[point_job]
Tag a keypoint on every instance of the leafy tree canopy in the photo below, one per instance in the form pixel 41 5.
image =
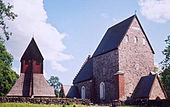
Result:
pixel 166 62
pixel 7 76
pixel 54 81
pixel 5 13
pixel 165 75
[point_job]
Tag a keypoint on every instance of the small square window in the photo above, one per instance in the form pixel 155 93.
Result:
pixel 38 62
pixel 143 41
pixel 135 40
pixel 127 38
pixel 26 62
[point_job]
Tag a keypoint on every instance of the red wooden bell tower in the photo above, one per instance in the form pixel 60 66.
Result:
pixel 32 59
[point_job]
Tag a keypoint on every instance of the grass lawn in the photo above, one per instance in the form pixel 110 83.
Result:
pixel 135 106
pixel 36 105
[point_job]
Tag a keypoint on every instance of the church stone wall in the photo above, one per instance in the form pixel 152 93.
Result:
pixel 104 67
pixel 156 91
pixel 87 85
pixel 135 59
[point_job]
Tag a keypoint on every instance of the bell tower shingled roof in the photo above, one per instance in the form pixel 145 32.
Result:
pixel 32 52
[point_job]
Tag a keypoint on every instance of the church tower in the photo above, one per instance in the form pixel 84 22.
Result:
pixel 32 59
pixel 31 82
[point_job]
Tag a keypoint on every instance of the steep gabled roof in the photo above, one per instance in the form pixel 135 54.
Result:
pixel 86 72
pixel 114 36
pixel 70 91
pixel 28 85
pixel 144 87
pixel 32 51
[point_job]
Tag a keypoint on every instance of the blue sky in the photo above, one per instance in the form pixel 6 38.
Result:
pixel 78 26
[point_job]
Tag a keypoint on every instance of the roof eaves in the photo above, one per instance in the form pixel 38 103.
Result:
pixel 82 81
pixel 161 86
pixel 87 59
pixel 104 52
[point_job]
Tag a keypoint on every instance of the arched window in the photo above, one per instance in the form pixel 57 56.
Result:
pixel 83 92
pixel 127 38
pixel 102 90
pixel 143 39
pixel 135 39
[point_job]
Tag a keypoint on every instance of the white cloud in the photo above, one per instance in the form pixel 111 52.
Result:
pixel 31 21
pixel 104 15
pixel 156 10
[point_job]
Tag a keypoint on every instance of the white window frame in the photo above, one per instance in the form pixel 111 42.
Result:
pixel 143 41
pixel 135 39
pixel 83 92
pixel 102 90
pixel 127 38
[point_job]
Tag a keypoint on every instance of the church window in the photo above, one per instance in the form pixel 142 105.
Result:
pixel 127 38
pixel 135 39
pixel 26 62
pixel 38 62
pixel 102 90
pixel 137 66
pixel 143 39
pixel 83 92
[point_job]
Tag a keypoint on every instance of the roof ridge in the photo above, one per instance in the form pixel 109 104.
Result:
pixel 113 36
pixel 122 21
pixel 32 44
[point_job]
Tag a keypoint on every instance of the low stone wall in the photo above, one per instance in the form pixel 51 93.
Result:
pixel 142 102
pixel 67 101
pixel 157 103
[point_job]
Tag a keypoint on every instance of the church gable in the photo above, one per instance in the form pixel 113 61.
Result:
pixel 31 81
pixel 113 37
pixel 136 35
pixel 32 52
pixel 149 87
pixel 157 90
pixel 32 59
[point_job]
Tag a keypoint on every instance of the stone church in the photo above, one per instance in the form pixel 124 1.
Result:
pixel 119 69
pixel 31 82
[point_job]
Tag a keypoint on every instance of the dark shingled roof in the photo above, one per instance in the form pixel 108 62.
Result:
pixel 113 36
pixel 69 91
pixel 29 84
pixel 144 86
pixel 32 51
pixel 85 73
pixel 73 92
pixel 110 41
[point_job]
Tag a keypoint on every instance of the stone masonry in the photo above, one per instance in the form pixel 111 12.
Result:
pixel 104 67
pixel 156 89
pixel 123 57
pixel 135 59
pixel 87 85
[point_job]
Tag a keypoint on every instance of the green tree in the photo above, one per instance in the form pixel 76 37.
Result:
pixel 7 76
pixel 165 75
pixel 5 13
pixel 54 81
pixel 155 69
